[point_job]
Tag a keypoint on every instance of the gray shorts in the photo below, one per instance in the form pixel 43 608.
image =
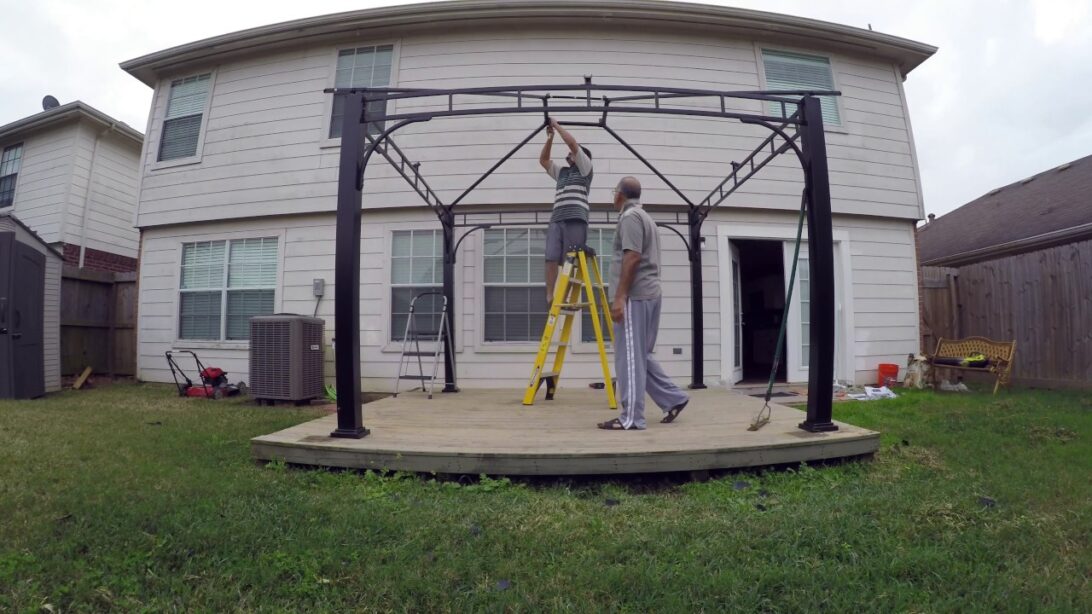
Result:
pixel 564 235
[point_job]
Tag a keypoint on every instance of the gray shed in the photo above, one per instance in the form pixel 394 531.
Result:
pixel 30 312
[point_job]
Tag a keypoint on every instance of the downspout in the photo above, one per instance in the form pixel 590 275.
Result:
pixel 87 190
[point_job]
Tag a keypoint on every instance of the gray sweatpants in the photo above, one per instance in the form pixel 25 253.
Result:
pixel 636 371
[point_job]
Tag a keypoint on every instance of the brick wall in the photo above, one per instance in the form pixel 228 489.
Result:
pixel 97 260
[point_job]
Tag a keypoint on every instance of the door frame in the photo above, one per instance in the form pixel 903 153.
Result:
pixel 844 368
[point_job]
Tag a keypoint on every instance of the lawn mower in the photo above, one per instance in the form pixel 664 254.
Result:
pixel 214 383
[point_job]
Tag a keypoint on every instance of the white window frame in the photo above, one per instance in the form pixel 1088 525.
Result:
pixel 761 64
pixel 386 346
pixel 390 340
pixel 845 367
pixel 328 100
pixel 241 344
pixel 22 154
pixel 161 116
pixel 504 346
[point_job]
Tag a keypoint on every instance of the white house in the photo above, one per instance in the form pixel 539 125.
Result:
pixel 239 181
pixel 70 174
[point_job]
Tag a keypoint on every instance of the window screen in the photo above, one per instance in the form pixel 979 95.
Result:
pixel 795 71
pixel 361 67
pixel 223 284
pixel 10 161
pixel 515 286
pixel 416 267
pixel 182 123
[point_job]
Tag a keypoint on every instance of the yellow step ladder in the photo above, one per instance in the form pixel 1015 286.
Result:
pixel 580 270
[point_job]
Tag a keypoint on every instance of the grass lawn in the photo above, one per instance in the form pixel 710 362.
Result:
pixel 130 498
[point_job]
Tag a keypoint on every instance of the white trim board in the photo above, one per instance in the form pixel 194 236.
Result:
pixel 785 232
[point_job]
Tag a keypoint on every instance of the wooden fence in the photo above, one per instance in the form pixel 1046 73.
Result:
pixel 98 322
pixel 1042 299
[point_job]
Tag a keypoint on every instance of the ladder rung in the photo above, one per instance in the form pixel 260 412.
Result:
pixel 423 335
pixel 422 378
pixel 575 305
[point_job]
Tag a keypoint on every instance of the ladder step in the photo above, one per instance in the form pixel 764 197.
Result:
pixel 422 335
pixel 418 353
pixel 421 378
pixel 547 375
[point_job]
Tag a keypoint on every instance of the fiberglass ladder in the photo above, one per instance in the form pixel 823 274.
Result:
pixel 581 268
pixel 415 336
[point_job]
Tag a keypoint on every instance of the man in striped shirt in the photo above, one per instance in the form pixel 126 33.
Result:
pixel 569 220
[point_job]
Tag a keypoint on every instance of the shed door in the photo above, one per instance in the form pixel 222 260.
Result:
pixel 7 247
pixel 25 290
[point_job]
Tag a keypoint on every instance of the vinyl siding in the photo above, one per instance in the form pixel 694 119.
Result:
pixel 883 293
pixel 54 182
pixel 51 315
pixel 264 150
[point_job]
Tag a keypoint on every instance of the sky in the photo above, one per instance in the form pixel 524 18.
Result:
pixel 1006 96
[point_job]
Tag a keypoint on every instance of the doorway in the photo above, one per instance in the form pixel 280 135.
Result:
pixel 759 270
pixel 22 300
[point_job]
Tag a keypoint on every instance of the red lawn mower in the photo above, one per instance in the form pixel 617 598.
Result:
pixel 214 383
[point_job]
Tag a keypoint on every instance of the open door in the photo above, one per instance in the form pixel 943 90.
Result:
pixel 737 317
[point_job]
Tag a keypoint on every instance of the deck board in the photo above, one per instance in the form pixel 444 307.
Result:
pixel 489 431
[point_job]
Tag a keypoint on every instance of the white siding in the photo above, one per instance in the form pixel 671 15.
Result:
pixel 55 180
pixel 51 316
pixel 44 182
pixel 263 150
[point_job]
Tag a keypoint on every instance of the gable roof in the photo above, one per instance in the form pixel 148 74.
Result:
pixel 64 113
pixel 906 53
pixel 1052 207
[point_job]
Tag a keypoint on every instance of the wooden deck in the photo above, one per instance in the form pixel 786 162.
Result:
pixel 489 431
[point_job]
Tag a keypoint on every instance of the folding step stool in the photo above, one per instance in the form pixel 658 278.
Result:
pixel 415 336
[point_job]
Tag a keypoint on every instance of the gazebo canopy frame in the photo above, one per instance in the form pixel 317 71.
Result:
pixel 365 132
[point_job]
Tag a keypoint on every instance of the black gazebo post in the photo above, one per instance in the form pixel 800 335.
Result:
pixel 694 220
pixel 447 221
pixel 350 419
pixel 821 271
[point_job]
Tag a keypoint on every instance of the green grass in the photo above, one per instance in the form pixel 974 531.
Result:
pixel 128 498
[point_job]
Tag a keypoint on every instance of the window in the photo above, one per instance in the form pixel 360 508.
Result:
pixel 796 71
pixel 602 241
pixel 361 67
pixel 803 276
pixel 182 123
pixel 515 286
pixel 9 170
pixel 417 266
pixel 223 285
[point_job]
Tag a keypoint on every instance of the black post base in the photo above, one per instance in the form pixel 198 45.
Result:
pixel 359 433
pixel 450 388
pixel 697 386
pixel 818 427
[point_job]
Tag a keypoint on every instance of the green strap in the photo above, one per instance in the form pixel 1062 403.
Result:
pixel 788 301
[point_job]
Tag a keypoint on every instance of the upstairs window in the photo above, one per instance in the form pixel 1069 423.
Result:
pixel 361 67
pixel 797 71
pixel 223 285
pixel 9 171
pixel 182 123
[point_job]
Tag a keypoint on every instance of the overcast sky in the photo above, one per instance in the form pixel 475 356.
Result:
pixel 1006 96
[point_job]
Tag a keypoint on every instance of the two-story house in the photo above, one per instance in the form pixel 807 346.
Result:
pixel 70 174
pixel 239 181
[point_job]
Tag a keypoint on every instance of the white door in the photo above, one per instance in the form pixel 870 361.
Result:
pixel 798 335
pixel 737 318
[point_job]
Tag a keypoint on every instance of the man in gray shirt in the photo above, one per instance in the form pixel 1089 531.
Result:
pixel 569 220
pixel 635 279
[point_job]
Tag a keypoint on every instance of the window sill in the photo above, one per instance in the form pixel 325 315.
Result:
pixel 191 344
pixel 500 347
pixel 330 143
pixel 157 166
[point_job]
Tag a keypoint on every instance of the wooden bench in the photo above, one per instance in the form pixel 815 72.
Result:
pixel 999 353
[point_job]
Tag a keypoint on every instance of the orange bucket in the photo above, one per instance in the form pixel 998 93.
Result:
pixel 887 374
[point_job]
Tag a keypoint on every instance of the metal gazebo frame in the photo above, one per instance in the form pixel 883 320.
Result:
pixel 366 132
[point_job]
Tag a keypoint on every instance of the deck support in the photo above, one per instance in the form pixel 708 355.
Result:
pixel 821 270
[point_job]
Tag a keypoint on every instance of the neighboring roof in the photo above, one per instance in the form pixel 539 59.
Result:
pixel 906 53
pixel 64 113
pixel 9 214
pixel 1052 207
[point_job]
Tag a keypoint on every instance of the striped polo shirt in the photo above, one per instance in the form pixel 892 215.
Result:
pixel 573 187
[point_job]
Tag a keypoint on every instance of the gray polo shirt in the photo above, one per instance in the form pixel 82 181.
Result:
pixel 637 232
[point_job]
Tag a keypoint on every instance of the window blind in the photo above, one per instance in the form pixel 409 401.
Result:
pixel 10 162
pixel 361 67
pixel 223 284
pixel 795 71
pixel 416 267
pixel 515 287
pixel 182 122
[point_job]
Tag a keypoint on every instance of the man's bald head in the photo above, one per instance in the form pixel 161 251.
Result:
pixel 629 187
